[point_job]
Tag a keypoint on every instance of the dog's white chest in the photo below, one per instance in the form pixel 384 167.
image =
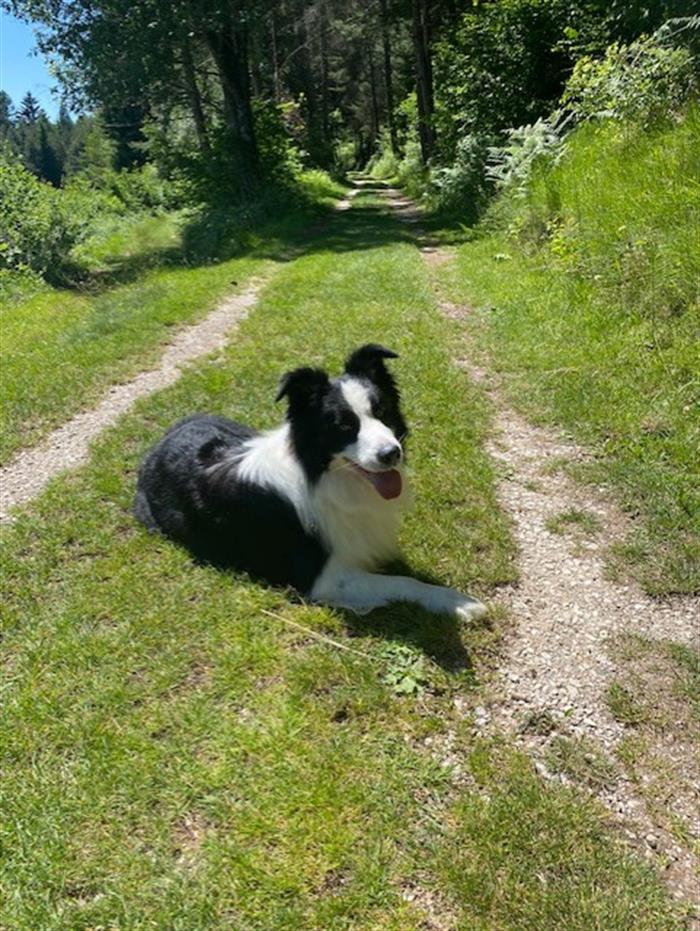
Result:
pixel 358 526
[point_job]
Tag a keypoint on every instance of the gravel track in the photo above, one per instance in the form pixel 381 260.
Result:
pixel 557 666
pixel 28 473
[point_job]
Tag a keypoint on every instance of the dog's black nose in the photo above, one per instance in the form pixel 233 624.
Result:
pixel 389 455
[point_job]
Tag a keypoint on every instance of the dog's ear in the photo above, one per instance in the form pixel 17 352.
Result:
pixel 302 386
pixel 369 361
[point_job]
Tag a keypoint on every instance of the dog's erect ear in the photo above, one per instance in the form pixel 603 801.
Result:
pixel 302 386
pixel 369 360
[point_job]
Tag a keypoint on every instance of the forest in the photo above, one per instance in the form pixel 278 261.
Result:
pixel 224 99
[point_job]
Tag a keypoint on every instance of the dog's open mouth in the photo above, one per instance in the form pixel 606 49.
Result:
pixel 388 483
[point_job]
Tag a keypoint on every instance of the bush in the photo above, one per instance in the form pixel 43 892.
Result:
pixel 316 185
pixel 40 225
pixel 644 82
pixel 217 232
pixel 641 84
pixel 140 189
pixel 511 165
pixel 463 186
pixel 36 229
pixel 344 156
pixel 621 208
pixel 218 175
pixel 384 164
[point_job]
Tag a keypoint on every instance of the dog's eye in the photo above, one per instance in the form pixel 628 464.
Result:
pixel 347 424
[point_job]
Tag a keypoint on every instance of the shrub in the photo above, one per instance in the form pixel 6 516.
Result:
pixel 140 189
pixel 411 173
pixel 621 208
pixel 344 156
pixel 216 232
pixel 36 231
pixel 643 82
pixel 385 162
pixel 40 225
pixel 317 185
pixel 511 165
pixel 462 186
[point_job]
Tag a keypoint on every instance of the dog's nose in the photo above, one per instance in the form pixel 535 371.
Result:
pixel 389 455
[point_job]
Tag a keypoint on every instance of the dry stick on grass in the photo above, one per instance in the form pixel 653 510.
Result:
pixel 318 636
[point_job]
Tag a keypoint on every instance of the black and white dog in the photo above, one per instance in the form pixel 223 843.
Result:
pixel 314 504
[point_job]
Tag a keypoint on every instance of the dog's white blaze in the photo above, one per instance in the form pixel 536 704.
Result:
pixel 373 435
pixel 357 396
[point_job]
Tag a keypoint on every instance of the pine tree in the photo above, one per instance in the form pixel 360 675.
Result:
pixel 29 109
pixel 62 137
pixel 6 109
pixel 48 165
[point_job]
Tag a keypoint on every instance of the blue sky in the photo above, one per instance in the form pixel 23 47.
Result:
pixel 20 70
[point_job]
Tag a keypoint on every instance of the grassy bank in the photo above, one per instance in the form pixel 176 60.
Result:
pixel 138 278
pixel 176 756
pixel 587 301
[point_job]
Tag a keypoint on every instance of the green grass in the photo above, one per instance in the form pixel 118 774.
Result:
pixel 118 240
pixel 580 760
pixel 623 706
pixel 174 757
pixel 588 306
pixel 62 347
pixel 574 520
pixel 522 855
pixel 656 697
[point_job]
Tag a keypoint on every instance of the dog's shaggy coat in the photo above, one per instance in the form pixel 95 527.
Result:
pixel 314 504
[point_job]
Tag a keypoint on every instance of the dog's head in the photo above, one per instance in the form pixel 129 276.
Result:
pixel 354 420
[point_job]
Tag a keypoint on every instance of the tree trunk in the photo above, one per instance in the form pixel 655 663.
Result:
pixel 374 128
pixel 388 78
pixel 275 58
pixel 229 49
pixel 309 82
pixel 323 37
pixel 424 78
pixel 194 96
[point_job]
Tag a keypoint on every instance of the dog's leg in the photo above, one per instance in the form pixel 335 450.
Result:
pixel 362 591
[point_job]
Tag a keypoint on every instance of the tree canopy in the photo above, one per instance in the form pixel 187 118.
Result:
pixel 235 77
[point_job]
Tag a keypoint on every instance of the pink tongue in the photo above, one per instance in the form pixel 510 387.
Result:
pixel 388 484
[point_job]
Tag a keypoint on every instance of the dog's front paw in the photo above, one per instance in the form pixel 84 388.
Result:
pixel 469 609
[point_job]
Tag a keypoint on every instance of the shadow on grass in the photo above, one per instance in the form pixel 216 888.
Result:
pixel 73 276
pixel 217 234
pixel 439 636
pixel 298 234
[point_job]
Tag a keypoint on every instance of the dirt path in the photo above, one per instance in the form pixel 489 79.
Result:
pixel 566 608
pixel 557 666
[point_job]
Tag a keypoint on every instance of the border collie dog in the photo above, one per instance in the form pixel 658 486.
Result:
pixel 314 504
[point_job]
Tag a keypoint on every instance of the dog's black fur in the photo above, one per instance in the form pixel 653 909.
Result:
pixel 227 523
